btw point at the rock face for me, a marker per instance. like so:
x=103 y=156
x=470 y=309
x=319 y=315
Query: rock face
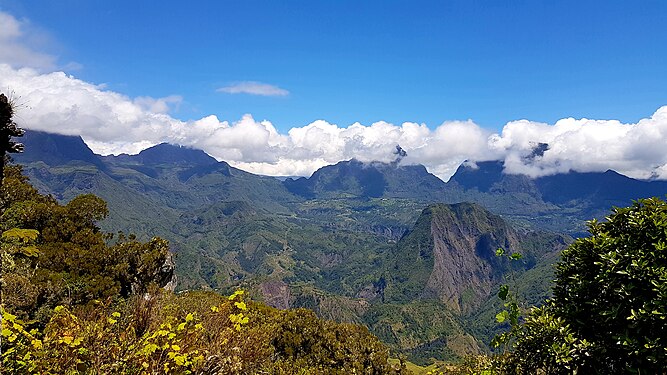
x=450 y=255
x=167 y=275
x=165 y=278
x=465 y=267
x=276 y=293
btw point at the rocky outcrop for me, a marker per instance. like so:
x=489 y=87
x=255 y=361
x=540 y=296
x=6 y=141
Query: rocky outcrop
x=276 y=293
x=449 y=255
x=465 y=238
x=167 y=277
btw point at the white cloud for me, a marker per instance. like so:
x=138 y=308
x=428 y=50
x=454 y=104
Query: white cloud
x=59 y=103
x=254 y=88
x=584 y=145
x=159 y=105
x=15 y=40
x=114 y=123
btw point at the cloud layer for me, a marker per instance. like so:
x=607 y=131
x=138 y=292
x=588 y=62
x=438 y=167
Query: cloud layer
x=254 y=88
x=16 y=40
x=113 y=123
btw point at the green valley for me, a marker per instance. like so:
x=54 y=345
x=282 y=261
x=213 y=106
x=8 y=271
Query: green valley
x=385 y=245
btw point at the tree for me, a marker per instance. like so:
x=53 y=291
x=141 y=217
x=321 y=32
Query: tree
x=611 y=288
x=55 y=254
x=77 y=262
x=609 y=310
x=8 y=129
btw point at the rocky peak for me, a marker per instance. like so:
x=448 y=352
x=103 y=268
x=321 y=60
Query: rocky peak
x=165 y=153
x=450 y=255
x=465 y=267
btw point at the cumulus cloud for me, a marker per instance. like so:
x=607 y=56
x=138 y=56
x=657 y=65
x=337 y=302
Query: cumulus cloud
x=159 y=105
x=254 y=88
x=16 y=38
x=584 y=145
x=112 y=123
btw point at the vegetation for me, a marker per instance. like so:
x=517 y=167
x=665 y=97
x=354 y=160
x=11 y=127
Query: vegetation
x=56 y=255
x=192 y=333
x=70 y=290
x=232 y=229
x=612 y=288
x=8 y=130
x=609 y=308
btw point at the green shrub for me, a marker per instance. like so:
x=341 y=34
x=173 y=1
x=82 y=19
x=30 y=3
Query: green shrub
x=609 y=310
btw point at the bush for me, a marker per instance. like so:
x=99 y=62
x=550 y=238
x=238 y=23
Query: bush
x=609 y=310
x=55 y=254
x=172 y=334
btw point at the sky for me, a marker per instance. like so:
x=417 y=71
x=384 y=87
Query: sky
x=283 y=88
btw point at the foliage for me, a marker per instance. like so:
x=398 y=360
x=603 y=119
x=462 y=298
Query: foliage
x=543 y=343
x=512 y=311
x=422 y=329
x=8 y=130
x=176 y=335
x=609 y=308
x=611 y=288
x=58 y=256
x=80 y=302
x=234 y=229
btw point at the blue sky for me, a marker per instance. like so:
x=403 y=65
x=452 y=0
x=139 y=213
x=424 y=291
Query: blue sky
x=349 y=61
x=286 y=87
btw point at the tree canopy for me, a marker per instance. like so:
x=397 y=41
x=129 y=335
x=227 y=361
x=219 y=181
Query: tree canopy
x=609 y=309
x=8 y=129
x=70 y=262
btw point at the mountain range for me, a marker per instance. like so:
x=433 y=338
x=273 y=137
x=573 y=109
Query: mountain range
x=384 y=244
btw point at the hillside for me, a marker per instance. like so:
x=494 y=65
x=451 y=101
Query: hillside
x=353 y=242
x=561 y=202
x=445 y=270
x=69 y=289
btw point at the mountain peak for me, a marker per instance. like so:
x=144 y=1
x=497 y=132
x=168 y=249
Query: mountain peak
x=450 y=254
x=481 y=175
x=55 y=149
x=354 y=178
x=165 y=153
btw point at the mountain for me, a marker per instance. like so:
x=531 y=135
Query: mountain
x=354 y=178
x=450 y=255
x=323 y=220
x=152 y=192
x=445 y=269
x=561 y=202
x=388 y=245
x=165 y=153
x=55 y=149
x=600 y=188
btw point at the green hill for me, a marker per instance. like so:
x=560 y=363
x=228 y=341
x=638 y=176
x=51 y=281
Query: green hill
x=387 y=245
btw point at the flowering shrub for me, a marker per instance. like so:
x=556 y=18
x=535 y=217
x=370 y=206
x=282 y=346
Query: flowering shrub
x=168 y=334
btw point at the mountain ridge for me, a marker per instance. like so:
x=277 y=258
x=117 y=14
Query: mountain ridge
x=189 y=177
x=364 y=242
x=165 y=153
